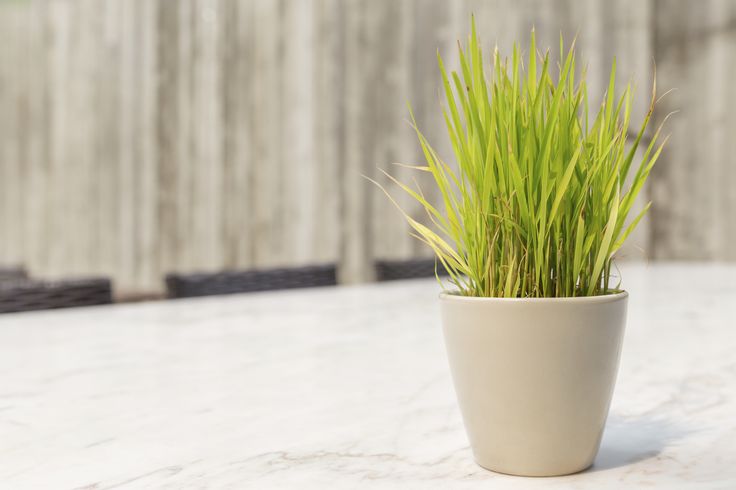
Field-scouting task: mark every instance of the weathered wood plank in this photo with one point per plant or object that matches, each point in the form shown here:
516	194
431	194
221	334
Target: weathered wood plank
329	126
266	162
168	119
236	79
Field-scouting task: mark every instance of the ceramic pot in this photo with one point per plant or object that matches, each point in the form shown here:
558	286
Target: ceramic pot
534	377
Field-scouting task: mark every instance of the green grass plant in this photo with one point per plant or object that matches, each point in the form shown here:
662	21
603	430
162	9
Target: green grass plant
537	201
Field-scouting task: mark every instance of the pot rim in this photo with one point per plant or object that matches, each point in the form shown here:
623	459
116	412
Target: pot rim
605	298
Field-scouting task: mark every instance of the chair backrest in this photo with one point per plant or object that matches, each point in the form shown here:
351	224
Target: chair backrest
392	270
249	281
9	274
34	295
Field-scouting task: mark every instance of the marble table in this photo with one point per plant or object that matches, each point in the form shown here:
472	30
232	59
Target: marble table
342	387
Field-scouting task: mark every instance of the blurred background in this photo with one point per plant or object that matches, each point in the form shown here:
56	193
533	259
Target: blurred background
143	137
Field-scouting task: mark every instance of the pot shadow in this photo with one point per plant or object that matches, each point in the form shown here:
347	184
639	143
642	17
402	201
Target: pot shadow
629	440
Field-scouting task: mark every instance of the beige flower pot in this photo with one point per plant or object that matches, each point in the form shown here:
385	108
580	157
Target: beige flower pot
534	377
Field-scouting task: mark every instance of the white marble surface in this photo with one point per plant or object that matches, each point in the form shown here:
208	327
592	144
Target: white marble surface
341	388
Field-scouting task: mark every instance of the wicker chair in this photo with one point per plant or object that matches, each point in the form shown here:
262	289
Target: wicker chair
12	274
33	295
249	281
392	270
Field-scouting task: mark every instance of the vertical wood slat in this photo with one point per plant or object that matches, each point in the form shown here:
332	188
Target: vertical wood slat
267	200
328	119
167	122
147	271
299	166
108	144
140	137
127	190
237	42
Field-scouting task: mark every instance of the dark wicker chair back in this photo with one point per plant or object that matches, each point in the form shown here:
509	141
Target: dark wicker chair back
392	270
232	282
31	295
10	274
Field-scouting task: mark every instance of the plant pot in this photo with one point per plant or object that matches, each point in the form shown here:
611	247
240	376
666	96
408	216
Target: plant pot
534	377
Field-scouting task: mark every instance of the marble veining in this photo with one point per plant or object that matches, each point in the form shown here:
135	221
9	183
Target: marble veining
342	387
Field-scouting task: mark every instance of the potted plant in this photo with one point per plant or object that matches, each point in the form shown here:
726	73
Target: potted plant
532	213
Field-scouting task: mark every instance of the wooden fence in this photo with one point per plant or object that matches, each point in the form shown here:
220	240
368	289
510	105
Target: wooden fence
139	137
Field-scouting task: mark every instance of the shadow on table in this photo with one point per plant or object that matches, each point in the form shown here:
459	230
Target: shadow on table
629	440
